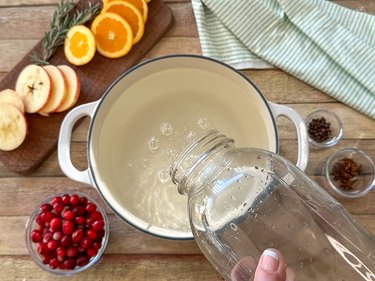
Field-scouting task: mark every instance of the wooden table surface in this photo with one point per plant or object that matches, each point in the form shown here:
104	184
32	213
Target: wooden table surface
130	254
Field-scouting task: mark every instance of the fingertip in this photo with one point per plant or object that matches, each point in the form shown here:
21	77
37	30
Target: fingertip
270	260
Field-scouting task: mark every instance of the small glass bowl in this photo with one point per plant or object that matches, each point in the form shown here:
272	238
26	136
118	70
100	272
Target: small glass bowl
32	247
335	126
363	183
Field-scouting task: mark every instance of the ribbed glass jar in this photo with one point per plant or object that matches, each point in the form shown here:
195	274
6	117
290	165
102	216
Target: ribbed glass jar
242	201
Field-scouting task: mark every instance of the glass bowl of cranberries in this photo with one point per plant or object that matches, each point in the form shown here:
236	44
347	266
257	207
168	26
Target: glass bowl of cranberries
67	233
324	128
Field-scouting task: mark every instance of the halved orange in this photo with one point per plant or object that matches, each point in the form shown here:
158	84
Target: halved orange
113	35
129	13
141	5
79	45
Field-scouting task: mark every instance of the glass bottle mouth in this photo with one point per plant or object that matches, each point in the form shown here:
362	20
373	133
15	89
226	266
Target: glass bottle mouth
193	155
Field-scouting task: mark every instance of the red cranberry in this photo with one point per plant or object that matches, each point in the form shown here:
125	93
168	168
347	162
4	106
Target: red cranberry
55	224
79	210
66	241
86	243
97	245
96	215
82	261
71	252
91	234
81	249
67	227
47	237
58	207
54	263
39	220
89	222
70	263
42	248
45	207
83	200
36	236
91	252
98	225
68	215
47	216
74	199
57	199
46	259
61	252
90	207
57	236
80	220
77	236
66	199
52	245
60	258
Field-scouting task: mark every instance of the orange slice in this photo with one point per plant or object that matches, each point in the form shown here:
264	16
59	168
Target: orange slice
141	5
79	46
129	13
113	35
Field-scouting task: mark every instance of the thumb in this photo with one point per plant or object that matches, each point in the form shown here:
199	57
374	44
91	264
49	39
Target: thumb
271	267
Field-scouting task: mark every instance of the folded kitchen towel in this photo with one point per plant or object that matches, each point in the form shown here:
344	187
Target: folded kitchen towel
326	45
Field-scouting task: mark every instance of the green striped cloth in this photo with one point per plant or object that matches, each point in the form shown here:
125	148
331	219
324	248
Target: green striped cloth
326	45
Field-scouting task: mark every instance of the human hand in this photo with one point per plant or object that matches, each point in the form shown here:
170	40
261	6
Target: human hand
271	267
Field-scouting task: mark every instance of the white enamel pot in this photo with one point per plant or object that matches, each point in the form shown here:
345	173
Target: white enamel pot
152	111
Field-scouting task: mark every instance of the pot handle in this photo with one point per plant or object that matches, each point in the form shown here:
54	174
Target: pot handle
299	124
63	146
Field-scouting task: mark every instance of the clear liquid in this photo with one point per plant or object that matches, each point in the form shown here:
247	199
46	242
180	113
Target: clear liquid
248	212
153	120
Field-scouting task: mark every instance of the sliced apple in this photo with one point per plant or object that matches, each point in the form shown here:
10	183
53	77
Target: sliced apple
8	96
13	127
73	87
59	88
34	87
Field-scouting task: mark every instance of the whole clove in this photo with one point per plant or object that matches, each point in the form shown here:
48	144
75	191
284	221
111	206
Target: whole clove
344	171
319	129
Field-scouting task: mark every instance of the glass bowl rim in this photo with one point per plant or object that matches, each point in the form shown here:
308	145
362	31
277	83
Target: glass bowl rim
342	192
35	255
332	141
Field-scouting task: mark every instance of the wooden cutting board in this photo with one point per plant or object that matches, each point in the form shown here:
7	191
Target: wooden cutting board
95	77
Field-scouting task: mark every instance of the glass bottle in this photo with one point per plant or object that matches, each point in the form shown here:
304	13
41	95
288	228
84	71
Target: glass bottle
242	201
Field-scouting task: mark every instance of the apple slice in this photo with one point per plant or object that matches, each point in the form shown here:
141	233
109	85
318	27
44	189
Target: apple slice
34	87
9	96
58	94
13	127
73	87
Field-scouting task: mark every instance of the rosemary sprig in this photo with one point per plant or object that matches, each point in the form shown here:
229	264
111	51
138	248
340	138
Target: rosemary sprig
62	20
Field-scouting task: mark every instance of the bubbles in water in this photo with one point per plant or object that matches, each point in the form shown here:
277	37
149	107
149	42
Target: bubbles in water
233	226
163	176
191	136
203	123
166	129
153	144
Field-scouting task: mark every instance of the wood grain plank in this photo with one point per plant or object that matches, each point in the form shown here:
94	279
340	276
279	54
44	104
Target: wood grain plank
15	3
33	21
123	240
12	51
118	267
288	148
19	196
356	126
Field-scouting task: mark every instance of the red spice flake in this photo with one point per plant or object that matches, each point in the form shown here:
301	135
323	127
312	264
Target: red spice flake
344	171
